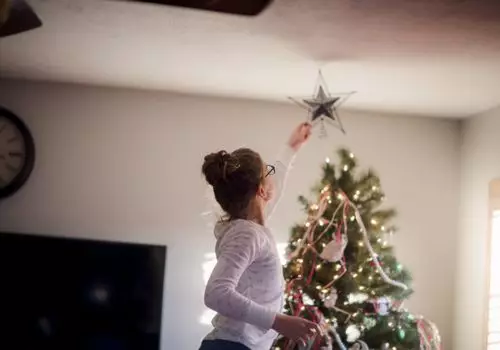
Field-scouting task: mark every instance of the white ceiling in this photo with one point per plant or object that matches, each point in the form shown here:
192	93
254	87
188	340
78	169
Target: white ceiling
419	57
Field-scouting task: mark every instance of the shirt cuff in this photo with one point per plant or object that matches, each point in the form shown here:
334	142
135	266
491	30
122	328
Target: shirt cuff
260	316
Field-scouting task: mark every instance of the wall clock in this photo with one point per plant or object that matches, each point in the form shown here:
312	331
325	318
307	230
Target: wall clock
17	153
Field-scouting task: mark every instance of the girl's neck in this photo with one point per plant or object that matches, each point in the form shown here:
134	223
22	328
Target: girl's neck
256	214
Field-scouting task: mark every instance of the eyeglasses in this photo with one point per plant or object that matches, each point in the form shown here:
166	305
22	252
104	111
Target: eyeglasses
271	170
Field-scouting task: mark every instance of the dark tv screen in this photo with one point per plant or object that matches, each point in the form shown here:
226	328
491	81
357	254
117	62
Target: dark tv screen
61	293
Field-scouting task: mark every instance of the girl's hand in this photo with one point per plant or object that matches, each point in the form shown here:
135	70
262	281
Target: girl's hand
296	328
299	136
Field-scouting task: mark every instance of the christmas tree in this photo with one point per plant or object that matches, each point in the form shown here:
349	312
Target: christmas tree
342	271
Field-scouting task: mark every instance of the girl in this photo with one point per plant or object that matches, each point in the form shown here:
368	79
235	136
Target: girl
246	286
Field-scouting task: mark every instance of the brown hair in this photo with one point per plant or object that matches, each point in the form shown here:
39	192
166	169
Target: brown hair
235	178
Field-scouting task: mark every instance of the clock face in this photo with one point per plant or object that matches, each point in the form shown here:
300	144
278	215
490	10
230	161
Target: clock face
17	153
12	151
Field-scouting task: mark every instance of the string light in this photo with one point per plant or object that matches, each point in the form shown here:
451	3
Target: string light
314	207
308	224
318	287
337	267
318	266
374	188
321	223
360	243
370	277
346	167
384	244
351	155
354	275
300	261
390	324
353	218
360	269
379	240
383	228
373	221
323	244
335	277
327	160
362	287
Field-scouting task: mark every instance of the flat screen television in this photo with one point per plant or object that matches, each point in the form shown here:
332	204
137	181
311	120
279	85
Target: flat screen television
62	293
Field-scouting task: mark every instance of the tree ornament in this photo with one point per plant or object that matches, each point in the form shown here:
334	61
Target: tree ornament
381	305
353	333
323	106
369	323
334	251
360	345
331	300
357	298
401	334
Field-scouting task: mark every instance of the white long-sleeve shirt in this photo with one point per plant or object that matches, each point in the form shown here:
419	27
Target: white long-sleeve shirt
246	286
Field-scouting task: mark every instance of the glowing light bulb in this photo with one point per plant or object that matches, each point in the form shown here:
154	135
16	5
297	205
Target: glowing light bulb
318	287
323	245
360	269
351	155
390	324
353	218
370	277
308	224
321	223
373	221
360	243
346	167
340	196
327	160
374	188
318	266
382	228
354	275
337	267
384	244
314	207
335	277
379	240
300	261
362	287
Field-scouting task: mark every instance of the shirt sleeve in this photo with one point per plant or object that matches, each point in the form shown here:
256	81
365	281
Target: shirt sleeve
283	164
236	252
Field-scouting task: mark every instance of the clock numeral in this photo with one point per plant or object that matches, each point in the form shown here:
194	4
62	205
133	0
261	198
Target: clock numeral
16	154
12	139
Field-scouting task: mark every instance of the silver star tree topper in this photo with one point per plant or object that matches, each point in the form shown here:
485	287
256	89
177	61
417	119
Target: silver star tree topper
323	106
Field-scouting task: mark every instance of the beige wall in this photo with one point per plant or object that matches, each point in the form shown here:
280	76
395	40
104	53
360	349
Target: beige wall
480	165
125	165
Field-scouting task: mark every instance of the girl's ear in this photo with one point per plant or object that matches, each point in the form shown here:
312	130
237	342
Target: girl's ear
262	193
